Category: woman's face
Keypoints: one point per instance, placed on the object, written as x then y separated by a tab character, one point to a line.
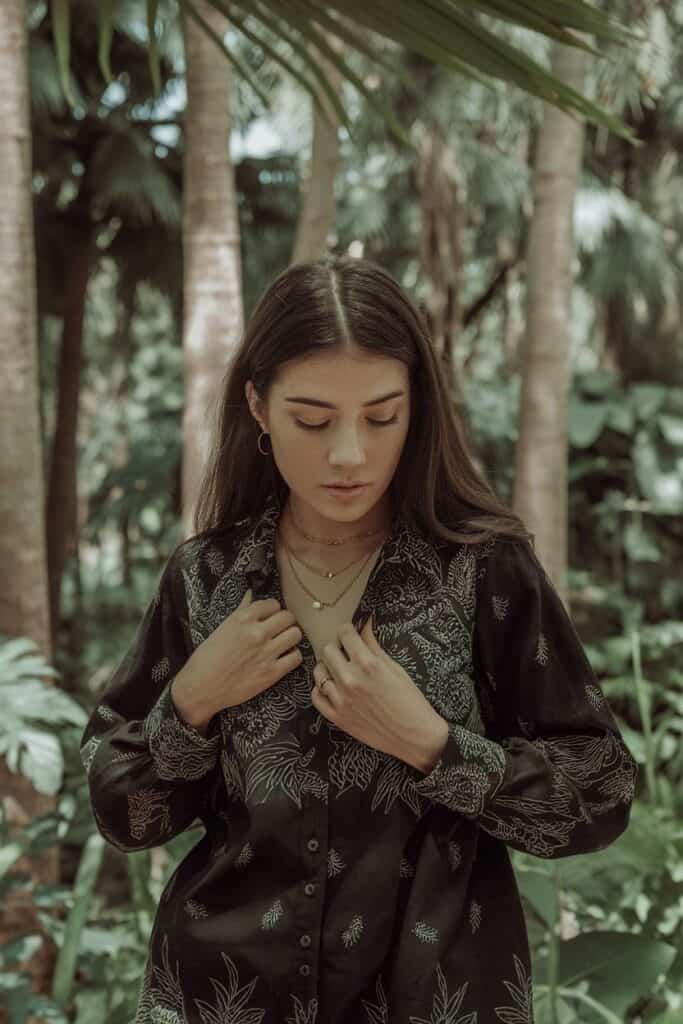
338	435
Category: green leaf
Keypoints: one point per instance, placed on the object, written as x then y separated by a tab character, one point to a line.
41	761
618	966
586	421
154	68
9	855
191	11
445	34
671	427
658	483
640	546
621	417
105	32
646	399
300	47
303	23
61	30
35	701
84	886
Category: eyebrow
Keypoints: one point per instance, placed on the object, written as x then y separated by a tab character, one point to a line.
329	405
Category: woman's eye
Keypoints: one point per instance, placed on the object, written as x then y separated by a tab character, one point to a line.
319	426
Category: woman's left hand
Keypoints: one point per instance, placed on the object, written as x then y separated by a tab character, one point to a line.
370	696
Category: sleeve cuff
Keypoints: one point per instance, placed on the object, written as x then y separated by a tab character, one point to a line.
467	775
178	749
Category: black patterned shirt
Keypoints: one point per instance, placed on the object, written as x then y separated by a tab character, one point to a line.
334	883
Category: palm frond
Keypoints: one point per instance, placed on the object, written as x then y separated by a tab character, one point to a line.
190	9
106	31
448	32
154	68
131	183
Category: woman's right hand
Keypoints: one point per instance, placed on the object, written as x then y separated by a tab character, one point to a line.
253	648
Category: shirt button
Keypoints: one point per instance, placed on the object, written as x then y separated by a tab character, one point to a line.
313	845
309	888
305	970
305	941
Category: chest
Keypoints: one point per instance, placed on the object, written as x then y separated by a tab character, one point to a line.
320	625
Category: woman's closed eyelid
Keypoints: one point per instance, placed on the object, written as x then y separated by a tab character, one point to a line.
320	426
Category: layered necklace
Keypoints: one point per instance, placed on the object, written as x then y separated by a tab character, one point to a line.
318	602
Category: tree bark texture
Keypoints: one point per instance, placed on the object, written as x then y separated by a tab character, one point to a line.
24	603
540	494
212	270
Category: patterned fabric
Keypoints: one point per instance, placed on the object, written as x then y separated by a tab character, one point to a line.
333	883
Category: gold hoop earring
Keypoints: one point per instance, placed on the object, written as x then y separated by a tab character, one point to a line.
258	443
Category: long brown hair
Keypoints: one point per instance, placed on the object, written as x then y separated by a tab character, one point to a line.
343	302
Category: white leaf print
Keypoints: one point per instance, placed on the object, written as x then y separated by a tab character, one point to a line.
594	696
280	767
352	764
351	934
500	605
522	996
335	863
406	869
377	1013
230	1005
425	932
215	560
195	909
307	1015
542	651
454	855
475	915
162	994
161	670
88	751
274	914
146	806
393	782
245	856
445	1009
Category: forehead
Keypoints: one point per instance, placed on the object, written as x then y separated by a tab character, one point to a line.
357	372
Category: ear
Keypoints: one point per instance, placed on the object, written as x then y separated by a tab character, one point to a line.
255	404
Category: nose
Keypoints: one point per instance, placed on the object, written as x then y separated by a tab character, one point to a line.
346	449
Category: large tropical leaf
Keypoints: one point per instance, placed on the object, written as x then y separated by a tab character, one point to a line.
449	32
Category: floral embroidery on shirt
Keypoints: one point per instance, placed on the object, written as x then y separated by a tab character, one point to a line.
445	1008
425	932
353	932
309	841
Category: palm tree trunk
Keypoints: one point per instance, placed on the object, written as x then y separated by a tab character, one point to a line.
540	494
213	316
440	180
23	563
62	502
317	215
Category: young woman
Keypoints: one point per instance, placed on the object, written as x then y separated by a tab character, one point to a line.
365	695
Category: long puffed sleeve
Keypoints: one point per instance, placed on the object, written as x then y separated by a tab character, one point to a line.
148	770
552	776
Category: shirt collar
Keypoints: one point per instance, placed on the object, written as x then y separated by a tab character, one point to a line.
257	548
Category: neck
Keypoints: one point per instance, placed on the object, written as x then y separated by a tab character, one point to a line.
298	516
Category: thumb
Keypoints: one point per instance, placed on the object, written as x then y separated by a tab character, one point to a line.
246	599
369	636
